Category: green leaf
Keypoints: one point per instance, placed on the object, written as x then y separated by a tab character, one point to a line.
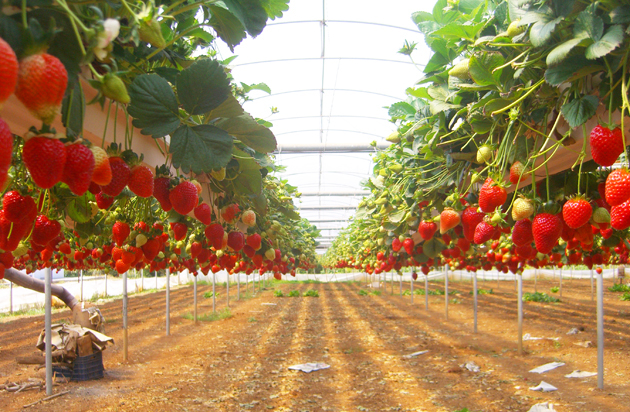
258	86
588	25
436	62
260	204
227	26
377	183
620	15
249	179
609	42
578	111
541	32
457	31
229	108
11	33
401	110
250	13
79	210
561	52
247	130
571	67
425	22
200	148
481	68
73	108
153	105
275	8
397	216
200	34
290	213
203	86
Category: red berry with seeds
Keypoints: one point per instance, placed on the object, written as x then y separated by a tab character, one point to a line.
8	71
470	219
522	233
141	181
45	159
214	234
254	241
179	230
483	232
16	207
102	174
449	218
120	233
103	201
606	145
427	229
618	187
120	177
77	172
546	229
6	149
491	196
236	241
516	171
576	212
161	190
620	216
184	197
203	213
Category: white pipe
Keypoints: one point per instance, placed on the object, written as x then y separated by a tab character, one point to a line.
168	302
600	331
195	292
520	315
48	330
125	309
426	292
475	299
214	293
446	293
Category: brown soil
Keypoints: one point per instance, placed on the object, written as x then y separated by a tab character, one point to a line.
240	363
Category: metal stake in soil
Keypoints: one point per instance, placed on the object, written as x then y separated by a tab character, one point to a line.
195	293
446	293
475	299
520	315
600	331
214	293
48	330
168	302
124	308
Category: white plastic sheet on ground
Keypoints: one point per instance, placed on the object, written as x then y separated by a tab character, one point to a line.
544	387
413	355
580	374
309	367
542	407
471	366
547	367
527	336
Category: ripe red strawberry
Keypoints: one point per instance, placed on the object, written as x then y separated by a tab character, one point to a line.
141	181
184	197
161	190
228	213
470	219
408	246
396	244
427	229
102	174
546	229
491	196
203	213
16	207
121	266
516	171
522	233
179	230
120	177
618	187
195	249
254	241
45	230
620	216
41	84
576	212
103	201
236	240
249	251
449	218
65	248
483	232
8	71
94	188
77	172
151	249
249	218
45	159
6	145
11	233
606	145
214	234
120	233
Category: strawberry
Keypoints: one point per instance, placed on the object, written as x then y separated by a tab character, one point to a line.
463	244
77	171
45	230
94	188
103	201
618	187
516	171
236	241
254	241
121	267
470	219
151	249
606	145
12	232
483	232
102	174
8	71
249	251
522	232
249	218
16	207
601	215
41	85
546	229
6	147
195	249
179	230
449	218
141	181
45	159
408	246
228	213
161	189
576	212
427	229
396	244
522	209
203	213
120	233
120	177
484	153
491	196
184	197
214	234
620	216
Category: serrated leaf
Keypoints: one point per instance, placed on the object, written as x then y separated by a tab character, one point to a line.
620	15
227	26
229	108
557	75
200	149
291	214
560	53
153	105
377	183
250	13
397	216
79	210
401	110
609	42
203	86
482	68
73	108
258	86
260	204
588	25
248	182
541	32
247	130
275	8
578	111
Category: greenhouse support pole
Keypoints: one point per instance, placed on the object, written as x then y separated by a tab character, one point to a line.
246	284
179	282
520	315
214	292
168	302
446	293
536	280
401	285
592	287
560	283
195	300
11	298
600	330
412	288
392	283
105	284
81	275
142	279
475	300
426	292
227	283
48	331
515	282
238	286
498	278
124	308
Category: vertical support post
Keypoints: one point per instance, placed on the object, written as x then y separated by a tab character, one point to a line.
426	292
401	285
214	293
195	300
412	273
142	279
125	330
498	278
246	284
106	284
238	286
600	331
446	293
392	283
520	314
179	282
168	302
592	287
48	330
156	281
560	283
535	280
475	300
81	275
11	298
227	283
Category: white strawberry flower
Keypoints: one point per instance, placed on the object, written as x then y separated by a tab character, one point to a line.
111	28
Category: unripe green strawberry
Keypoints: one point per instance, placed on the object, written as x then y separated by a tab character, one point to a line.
270	254
141	240
218	175
395	167
394	137
514	29
601	215
151	32
115	89
484	154
8	71
522	209
42	81
460	70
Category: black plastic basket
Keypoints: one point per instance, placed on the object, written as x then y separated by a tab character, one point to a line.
88	367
